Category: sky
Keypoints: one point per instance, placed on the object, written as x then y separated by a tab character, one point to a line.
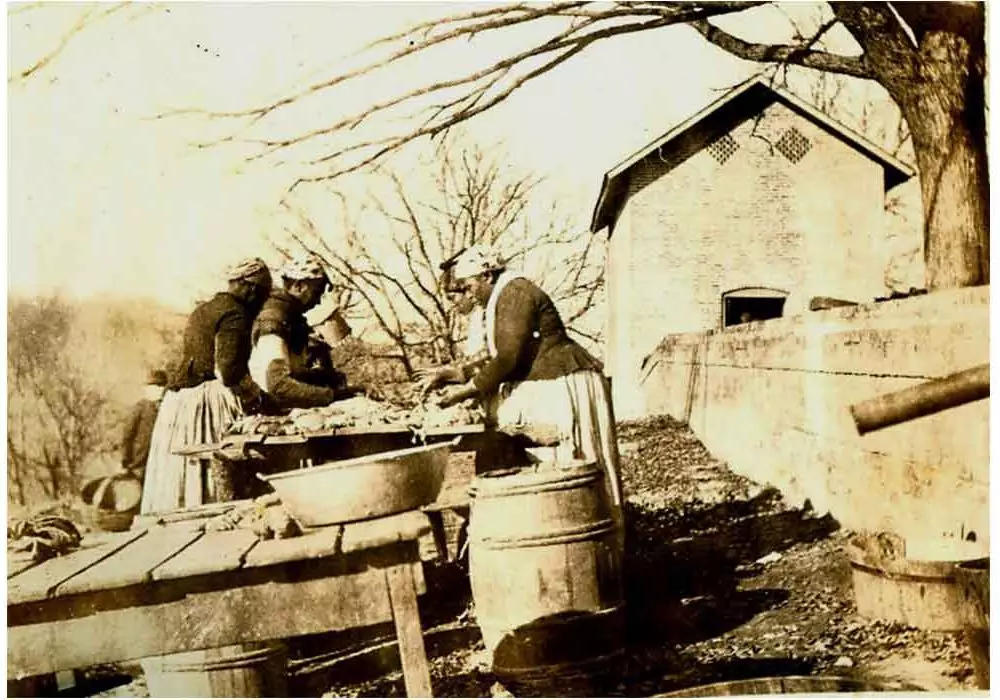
105	199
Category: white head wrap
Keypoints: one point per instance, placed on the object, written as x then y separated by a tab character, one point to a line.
476	260
251	269
304	267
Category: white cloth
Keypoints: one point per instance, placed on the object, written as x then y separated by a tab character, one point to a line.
194	416
503	280
578	405
477	259
269	347
475	343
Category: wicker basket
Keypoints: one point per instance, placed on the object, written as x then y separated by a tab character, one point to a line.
113	501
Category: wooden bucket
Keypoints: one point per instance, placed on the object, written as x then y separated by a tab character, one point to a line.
545	568
908	586
973	581
241	670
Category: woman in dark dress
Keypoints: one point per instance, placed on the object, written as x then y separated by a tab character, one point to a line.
536	375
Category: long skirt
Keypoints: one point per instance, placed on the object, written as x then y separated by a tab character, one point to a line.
194	416
578	407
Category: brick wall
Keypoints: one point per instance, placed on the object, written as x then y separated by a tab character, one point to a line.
772	399
691	229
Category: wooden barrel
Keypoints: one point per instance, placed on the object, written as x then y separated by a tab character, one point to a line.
973	581
545	568
241	670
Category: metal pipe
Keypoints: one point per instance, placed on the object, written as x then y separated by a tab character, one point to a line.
922	400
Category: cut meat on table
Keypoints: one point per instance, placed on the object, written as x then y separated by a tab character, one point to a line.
358	412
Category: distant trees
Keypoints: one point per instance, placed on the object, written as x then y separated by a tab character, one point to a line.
55	415
71	371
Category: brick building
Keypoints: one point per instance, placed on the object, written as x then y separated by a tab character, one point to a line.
746	210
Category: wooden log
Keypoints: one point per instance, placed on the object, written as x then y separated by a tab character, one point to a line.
922	400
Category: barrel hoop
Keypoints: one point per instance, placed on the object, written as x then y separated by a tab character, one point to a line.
238	660
898	576
529	489
556	671
571	534
505	627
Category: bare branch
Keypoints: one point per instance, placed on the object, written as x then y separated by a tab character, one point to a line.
797	54
82	22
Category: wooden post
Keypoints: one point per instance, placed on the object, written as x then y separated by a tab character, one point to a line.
413	657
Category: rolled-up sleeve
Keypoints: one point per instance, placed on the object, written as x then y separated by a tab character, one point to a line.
270	367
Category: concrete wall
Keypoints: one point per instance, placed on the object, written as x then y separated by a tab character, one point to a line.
691	229
772	398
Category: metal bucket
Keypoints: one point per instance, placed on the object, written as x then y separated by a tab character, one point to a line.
334	328
783	685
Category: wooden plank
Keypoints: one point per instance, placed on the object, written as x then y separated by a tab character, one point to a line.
214	553
368	534
312	544
37	582
194	513
18	562
233	615
412	654
133	564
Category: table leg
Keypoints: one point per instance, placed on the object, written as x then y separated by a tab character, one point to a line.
436	519
403	597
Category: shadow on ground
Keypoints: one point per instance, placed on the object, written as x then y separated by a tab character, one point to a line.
682	568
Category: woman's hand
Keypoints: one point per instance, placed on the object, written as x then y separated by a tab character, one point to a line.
431	378
458	395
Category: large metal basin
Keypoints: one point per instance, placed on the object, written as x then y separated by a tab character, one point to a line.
364	487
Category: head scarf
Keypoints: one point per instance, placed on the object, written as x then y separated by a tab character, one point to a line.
305	267
249	270
476	260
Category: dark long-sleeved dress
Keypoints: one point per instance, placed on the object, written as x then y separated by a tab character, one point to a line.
209	388
537	374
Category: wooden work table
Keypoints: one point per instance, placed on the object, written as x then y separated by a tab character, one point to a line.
171	587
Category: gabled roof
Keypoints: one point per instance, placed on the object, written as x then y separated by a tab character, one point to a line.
614	183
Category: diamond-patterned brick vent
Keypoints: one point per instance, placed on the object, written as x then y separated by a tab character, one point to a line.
722	149
793	145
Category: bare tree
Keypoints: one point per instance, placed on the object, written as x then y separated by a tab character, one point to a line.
929	57
56	416
471	198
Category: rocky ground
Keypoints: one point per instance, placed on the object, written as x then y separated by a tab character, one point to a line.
724	582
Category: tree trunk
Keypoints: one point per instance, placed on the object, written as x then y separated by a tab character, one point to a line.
936	75
949	142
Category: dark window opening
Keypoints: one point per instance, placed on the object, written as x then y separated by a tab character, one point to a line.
738	309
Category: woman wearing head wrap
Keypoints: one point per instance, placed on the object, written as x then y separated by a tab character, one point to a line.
283	345
210	388
474	349
536	375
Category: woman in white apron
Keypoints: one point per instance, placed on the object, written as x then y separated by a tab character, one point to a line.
536	375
